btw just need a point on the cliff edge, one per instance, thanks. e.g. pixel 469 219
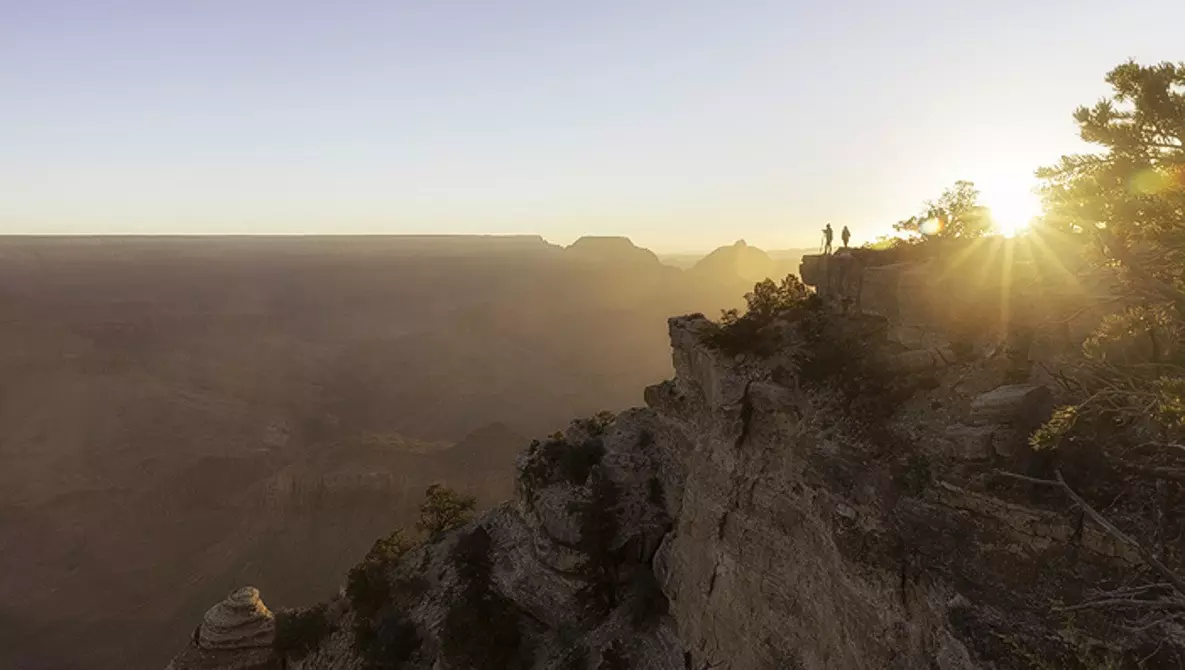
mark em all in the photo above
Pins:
pixel 758 515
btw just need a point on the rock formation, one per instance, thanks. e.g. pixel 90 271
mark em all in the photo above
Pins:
pixel 737 261
pixel 751 522
pixel 235 634
pixel 609 249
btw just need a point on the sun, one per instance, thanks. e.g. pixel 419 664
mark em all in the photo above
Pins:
pixel 1013 207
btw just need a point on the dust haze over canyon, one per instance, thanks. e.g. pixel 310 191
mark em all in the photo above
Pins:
pixel 179 416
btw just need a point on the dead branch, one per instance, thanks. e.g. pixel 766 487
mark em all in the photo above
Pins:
pixel 1124 602
pixel 1149 558
pixel 1175 580
pixel 1155 472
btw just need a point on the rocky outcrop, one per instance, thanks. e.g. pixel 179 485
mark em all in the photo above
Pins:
pixel 235 634
pixel 754 522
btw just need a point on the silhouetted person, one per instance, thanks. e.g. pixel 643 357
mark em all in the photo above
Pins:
pixel 845 236
pixel 828 235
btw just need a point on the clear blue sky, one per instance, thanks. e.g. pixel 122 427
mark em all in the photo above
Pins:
pixel 681 123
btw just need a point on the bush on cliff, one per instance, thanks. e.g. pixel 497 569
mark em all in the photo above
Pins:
pixel 443 510
pixel 598 530
pixel 558 460
pixel 767 303
pixel 826 350
pixel 383 634
pixel 300 631
pixel 367 584
pixel 481 625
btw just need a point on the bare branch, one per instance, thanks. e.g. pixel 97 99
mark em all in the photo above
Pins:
pixel 1024 478
pixel 1175 580
pixel 1124 602
pixel 1151 560
pixel 1155 472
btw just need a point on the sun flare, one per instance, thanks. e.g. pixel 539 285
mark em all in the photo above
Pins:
pixel 1013 208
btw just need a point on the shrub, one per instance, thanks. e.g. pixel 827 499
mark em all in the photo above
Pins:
pixel 752 332
pixel 556 460
pixel 443 510
pixel 383 634
pixel 481 626
pixel 388 641
pixel 367 584
pixel 598 530
pixel 300 631
pixel 597 424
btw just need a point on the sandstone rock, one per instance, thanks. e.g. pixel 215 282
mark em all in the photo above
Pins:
pixel 779 538
pixel 879 291
pixel 241 621
pixel 1023 406
pixel 235 634
pixel 702 372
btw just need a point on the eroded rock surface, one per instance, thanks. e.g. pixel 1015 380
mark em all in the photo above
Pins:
pixel 235 634
pixel 759 527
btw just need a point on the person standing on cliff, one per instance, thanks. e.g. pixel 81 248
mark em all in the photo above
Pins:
pixel 828 235
pixel 845 235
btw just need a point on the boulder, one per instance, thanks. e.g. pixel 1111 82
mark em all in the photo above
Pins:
pixel 1021 406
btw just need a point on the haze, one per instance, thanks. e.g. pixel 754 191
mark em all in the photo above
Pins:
pixel 670 122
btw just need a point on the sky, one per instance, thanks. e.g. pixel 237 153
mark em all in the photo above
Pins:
pixel 684 124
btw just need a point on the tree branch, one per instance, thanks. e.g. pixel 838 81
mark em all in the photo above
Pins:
pixel 1152 561
pixel 1121 254
pixel 1175 580
pixel 1124 602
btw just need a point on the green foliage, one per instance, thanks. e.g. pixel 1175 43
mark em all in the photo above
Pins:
pixel 481 626
pixel 828 351
pixel 1171 400
pixel 383 635
pixel 597 424
pixel 300 631
pixel 1050 435
pixel 557 460
pixel 367 584
pixel 1127 201
pixel 598 530
pixel 1137 335
pixel 1133 190
pixel 752 332
pixel 443 510
pixel 956 214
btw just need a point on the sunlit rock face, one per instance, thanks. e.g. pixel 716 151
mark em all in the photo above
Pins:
pixel 239 622
pixel 975 291
pixel 775 531
pixel 235 634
